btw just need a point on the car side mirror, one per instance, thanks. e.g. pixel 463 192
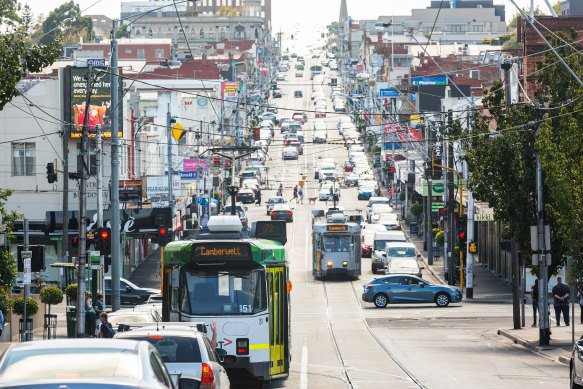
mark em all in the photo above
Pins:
pixel 421 267
pixel 418 255
pixel 384 254
pixel 422 285
pixel 221 354
pixel 128 288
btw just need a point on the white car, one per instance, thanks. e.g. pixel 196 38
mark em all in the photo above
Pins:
pixel 389 220
pixel 274 200
pixel 325 192
pixel 319 136
pixel 289 153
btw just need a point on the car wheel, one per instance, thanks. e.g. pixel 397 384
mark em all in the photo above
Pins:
pixel 373 269
pixel 381 300
pixel 442 299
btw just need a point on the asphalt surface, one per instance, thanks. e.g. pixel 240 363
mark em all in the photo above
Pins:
pixel 339 341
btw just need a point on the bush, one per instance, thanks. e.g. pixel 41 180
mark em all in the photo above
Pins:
pixel 18 306
pixel 195 224
pixel 440 238
pixel 5 303
pixel 416 209
pixel 71 292
pixel 435 231
pixel 402 196
pixel 51 295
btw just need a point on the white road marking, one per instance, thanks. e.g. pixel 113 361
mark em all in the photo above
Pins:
pixel 304 367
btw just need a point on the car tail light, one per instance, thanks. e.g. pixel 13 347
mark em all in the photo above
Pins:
pixel 289 212
pixel 242 346
pixel 369 286
pixel 208 379
pixel 329 263
pixel 273 213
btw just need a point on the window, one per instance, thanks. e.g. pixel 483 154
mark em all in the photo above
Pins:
pixel 475 74
pixel 457 28
pixel 128 51
pixel 157 368
pixel 159 53
pixel 92 160
pixel 478 28
pixel 23 159
pixel 140 53
pixel 202 32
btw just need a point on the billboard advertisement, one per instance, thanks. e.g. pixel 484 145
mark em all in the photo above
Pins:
pixel 229 91
pixel 100 109
pixel 194 164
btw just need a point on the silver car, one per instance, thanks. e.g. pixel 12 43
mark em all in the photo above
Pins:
pixel 83 363
pixel 187 354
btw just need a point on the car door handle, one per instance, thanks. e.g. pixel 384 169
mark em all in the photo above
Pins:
pixel 409 289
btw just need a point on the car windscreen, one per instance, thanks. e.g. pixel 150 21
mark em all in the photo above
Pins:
pixel 222 291
pixel 62 363
pixel 336 244
pixel 173 349
pixel 401 252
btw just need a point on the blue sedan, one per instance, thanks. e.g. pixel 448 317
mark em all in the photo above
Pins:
pixel 405 289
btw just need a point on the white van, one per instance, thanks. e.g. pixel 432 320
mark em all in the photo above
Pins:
pixel 381 238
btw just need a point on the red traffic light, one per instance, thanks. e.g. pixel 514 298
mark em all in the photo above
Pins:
pixel 256 131
pixel 227 163
pixel 392 170
pixel 104 234
pixel 217 160
pixel 162 231
pixel 462 235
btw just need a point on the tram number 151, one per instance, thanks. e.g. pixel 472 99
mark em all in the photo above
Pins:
pixel 245 308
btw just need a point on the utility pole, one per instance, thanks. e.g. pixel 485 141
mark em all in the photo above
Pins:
pixel 428 178
pixel 450 204
pixel 115 217
pixel 25 329
pixel 470 230
pixel 506 66
pixel 65 241
pixel 170 170
pixel 99 168
pixel 84 172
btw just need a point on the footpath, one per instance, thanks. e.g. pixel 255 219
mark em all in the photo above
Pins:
pixel 490 289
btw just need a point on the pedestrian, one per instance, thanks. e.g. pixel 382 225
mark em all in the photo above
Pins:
pixel 378 192
pixel 89 314
pixel 295 193
pixel 301 193
pixel 580 287
pixel 280 190
pixel 534 296
pixel 1 321
pixel 105 328
pixel 98 307
pixel 561 301
pixel 258 197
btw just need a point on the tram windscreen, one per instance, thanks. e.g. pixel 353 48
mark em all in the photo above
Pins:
pixel 223 292
pixel 336 244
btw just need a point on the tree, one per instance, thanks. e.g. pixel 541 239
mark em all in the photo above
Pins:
pixel 8 270
pixel 27 18
pixel 66 21
pixel 31 306
pixel 17 55
pixel 51 296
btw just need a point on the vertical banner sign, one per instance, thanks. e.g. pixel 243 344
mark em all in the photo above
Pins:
pixel 100 109
pixel 26 258
pixel 229 95
pixel 95 260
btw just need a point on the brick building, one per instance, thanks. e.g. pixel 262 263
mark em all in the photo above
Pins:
pixel 138 49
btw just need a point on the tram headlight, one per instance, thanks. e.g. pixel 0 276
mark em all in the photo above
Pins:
pixel 344 263
pixel 329 263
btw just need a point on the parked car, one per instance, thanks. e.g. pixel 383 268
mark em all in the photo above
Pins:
pixel 84 363
pixel 399 289
pixel 186 353
pixel 282 212
pixel 273 200
pixel 129 293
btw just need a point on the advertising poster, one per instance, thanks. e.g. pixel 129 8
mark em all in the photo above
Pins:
pixel 229 95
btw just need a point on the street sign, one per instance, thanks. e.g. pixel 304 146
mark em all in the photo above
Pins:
pixel 198 200
pixel 26 258
pixel 486 217
pixel 301 183
pixel 260 50
pixel 96 63
pixel 436 206
pixel 95 260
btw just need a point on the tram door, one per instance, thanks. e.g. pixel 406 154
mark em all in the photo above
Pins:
pixel 276 284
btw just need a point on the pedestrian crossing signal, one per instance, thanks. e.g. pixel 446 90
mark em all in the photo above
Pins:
pixel 473 247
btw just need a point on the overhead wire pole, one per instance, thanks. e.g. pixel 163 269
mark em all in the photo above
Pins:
pixel 115 217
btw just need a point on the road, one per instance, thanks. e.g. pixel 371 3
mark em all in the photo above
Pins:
pixel 339 341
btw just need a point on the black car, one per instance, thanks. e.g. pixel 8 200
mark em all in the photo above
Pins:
pixel 246 196
pixel 298 93
pixel 276 93
pixel 282 212
pixel 129 294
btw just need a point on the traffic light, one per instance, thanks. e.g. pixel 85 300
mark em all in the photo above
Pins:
pixel 75 242
pixel 217 162
pixel 256 134
pixel 103 240
pixel 227 164
pixel 51 174
pixel 462 232
pixel 164 236
pixel 391 172
pixel 436 171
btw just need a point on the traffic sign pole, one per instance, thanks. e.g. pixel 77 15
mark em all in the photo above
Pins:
pixel 470 261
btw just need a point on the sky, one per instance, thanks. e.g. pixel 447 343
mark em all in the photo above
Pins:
pixel 304 14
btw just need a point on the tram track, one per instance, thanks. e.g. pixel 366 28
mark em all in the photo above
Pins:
pixel 348 379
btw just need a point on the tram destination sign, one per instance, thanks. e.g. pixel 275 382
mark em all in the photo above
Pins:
pixel 222 251
pixel 336 228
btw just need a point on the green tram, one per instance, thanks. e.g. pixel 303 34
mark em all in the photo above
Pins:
pixel 240 282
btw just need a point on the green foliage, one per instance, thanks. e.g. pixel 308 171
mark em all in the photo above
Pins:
pixel 71 292
pixel 17 55
pixel 434 232
pixel 51 295
pixel 416 209
pixel 122 31
pixel 5 303
pixel 27 18
pixel 440 238
pixel 65 22
pixel 512 23
pixel 8 271
pixel 512 43
pixel 402 196
pixel 31 306
pixel 195 224
pixel 216 196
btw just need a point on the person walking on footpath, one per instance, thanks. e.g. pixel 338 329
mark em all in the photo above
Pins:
pixel 1 321
pixel 295 193
pixel 580 295
pixel 534 296
pixel 301 193
pixel 561 301
pixel 98 307
pixel 105 328
pixel 280 190
pixel 258 196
